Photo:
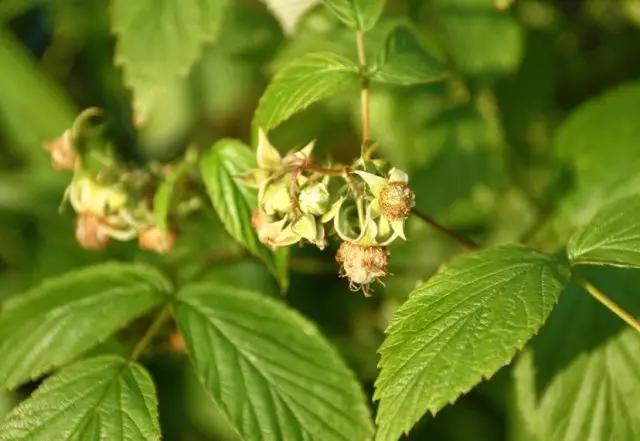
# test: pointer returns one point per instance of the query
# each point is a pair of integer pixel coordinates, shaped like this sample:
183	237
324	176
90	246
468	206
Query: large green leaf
268	368
580	378
461	326
234	202
32	107
405	61
63	317
159	40
103	398
300	84
599	143
358	14
482	40
612	237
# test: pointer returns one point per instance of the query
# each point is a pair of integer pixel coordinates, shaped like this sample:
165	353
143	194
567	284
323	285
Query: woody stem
452	234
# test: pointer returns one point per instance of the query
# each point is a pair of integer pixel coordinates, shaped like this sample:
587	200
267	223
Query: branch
455	236
151	332
607	302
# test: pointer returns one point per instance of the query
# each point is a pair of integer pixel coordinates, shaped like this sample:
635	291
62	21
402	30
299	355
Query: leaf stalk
606	301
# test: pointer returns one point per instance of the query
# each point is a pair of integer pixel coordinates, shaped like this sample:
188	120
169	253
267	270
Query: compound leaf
302	83
268	368
93	400
611	238
65	316
461	326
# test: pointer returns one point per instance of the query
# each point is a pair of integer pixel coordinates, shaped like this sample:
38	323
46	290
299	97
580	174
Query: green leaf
357	14
580	377
103	398
162	198
65	316
234	202
482	40
461	326
599	137
300	84
611	238
160	40
33	108
268	368
405	61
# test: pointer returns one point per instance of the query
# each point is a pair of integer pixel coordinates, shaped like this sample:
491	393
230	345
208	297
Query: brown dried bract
362	264
63	155
90	233
152	239
396	200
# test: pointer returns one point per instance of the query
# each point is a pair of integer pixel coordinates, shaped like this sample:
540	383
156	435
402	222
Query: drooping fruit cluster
110	200
299	201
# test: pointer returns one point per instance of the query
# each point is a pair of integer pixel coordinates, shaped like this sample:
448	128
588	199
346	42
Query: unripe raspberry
63	154
315	199
90	233
396	200
362	265
152	239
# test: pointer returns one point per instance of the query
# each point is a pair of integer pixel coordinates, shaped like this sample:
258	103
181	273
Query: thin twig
364	93
151	332
607	302
462	240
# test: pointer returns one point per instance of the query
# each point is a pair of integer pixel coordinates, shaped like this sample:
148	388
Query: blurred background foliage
534	130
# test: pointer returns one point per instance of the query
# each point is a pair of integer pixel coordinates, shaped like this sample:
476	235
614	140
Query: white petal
397	175
268	156
375	183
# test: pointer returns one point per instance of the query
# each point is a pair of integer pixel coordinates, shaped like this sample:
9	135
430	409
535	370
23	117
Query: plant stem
606	301
462	240
153	330
364	93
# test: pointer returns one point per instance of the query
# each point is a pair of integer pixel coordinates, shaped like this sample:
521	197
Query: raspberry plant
174	232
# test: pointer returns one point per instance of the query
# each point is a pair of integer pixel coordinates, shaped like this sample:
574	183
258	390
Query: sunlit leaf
268	368
104	398
300	84
580	378
459	327
65	316
357	14
612	237
234	202
159	40
405	61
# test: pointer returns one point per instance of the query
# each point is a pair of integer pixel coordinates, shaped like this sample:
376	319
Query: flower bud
152	239
63	154
315	199
90	233
396	200
362	264
276	199
87	195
